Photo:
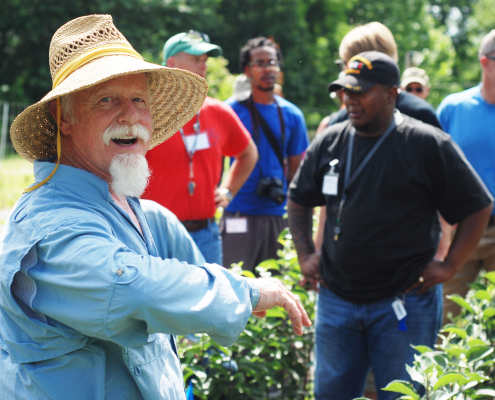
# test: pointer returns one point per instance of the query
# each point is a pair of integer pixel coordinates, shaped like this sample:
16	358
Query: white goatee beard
130	175
129	171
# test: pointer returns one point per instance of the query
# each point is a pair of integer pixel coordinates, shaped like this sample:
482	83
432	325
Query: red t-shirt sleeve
238	136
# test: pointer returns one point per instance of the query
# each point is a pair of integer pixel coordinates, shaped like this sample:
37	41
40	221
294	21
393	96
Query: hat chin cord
63	73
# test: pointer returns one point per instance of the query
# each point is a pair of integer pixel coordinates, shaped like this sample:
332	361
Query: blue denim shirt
89	306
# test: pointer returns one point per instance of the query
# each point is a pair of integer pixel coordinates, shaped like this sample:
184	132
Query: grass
15	175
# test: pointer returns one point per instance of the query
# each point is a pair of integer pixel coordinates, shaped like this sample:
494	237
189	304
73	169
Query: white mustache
126	132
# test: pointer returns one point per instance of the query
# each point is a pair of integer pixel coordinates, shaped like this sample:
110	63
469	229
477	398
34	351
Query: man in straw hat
88	306
383	176
187	171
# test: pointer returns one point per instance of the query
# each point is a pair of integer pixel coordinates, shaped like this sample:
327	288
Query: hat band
91	55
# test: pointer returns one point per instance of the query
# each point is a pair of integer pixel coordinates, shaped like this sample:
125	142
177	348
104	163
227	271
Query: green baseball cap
192	42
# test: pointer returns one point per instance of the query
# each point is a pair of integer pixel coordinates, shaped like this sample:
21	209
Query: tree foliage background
447	32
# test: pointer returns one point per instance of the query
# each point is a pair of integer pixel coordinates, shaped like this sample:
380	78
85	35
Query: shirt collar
78	179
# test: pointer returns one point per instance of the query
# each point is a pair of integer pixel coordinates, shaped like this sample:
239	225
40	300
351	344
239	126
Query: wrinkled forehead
130	84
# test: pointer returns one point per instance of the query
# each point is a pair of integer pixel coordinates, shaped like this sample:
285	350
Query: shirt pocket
156	368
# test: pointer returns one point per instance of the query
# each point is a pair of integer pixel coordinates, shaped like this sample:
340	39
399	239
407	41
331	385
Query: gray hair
68	111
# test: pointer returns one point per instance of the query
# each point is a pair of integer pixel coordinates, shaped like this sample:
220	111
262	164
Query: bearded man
88	305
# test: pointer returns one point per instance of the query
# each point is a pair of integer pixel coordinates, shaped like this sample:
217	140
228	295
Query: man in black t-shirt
384	178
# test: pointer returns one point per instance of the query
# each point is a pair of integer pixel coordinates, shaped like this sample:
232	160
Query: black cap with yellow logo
365	70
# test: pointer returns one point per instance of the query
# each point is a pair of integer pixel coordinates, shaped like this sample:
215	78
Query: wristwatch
227	193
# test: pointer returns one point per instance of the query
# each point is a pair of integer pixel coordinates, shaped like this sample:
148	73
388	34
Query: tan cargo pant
483	257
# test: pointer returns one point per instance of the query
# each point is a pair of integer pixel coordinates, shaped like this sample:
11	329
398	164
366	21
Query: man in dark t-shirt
383	177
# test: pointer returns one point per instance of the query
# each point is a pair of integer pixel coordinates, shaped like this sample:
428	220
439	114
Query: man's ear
247	71
171	62
64	124
392	93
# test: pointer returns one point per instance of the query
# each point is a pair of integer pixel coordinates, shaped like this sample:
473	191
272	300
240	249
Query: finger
295	315
259	314
314	285
413	287
305	318
427	285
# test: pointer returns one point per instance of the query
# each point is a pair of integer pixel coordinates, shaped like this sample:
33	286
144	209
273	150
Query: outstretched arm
301	224
272	294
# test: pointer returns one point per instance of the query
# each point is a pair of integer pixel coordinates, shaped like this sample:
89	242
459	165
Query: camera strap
258	120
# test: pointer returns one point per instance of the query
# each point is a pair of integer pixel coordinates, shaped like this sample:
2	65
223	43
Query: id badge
399	310
236	225
330	184
197	142
331	180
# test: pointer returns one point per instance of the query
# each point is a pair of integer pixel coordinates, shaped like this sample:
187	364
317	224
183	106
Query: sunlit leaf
461	302
485	392
450	377
422	349
490	276
482	295
402	387
458	331
478	353
489	312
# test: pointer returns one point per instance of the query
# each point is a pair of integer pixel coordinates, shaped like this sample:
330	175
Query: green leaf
415	375
476	342
490	276
442	360
482	295
485	392
248	274
478	353
450	377
458	331
489	313
422	349
461	302
276	312
402	387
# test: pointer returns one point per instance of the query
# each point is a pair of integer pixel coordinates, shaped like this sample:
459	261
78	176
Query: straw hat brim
176	96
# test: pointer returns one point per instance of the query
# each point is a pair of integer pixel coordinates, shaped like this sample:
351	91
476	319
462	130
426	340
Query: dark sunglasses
417	90
491	58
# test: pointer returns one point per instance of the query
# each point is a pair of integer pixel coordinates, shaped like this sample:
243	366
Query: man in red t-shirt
186	172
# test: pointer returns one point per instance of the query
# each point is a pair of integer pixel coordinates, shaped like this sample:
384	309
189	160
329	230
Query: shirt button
119	272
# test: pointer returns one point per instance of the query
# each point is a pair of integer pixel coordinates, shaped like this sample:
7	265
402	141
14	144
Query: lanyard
258	121
197	128
348	179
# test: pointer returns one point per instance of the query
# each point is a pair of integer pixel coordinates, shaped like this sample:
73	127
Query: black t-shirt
407	104
389	227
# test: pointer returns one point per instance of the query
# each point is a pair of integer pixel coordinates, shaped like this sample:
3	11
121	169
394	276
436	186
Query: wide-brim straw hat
176	95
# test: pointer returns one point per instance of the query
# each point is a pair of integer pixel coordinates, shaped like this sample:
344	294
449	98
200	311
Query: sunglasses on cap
195	35
416	89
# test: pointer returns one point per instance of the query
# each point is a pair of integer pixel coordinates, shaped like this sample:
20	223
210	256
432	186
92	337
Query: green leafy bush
463	364
268	360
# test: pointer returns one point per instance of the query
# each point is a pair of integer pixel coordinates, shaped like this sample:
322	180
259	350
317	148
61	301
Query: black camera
273	188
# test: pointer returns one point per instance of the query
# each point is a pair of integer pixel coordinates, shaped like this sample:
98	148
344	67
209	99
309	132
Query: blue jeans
209	243
352	338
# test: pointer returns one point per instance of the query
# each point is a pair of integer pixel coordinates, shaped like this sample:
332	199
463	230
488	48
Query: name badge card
236	225
331	180
197	142
399	310
330	184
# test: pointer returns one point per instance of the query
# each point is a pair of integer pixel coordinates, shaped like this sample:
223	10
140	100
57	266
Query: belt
197	225
491	220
